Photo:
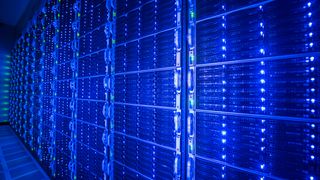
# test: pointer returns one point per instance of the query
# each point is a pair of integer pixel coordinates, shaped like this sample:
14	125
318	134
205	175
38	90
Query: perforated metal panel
252	89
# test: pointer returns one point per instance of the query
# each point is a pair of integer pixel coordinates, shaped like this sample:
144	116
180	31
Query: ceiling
12	10
14	15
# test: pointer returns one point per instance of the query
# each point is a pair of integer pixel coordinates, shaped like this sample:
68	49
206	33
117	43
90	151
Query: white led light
223	133
261	25
262	90
310	34
310	24
263	108
312	146
223	141
309	4
262	71
312	68
312	157
262	81
313	100
312	58
311	44
263	99
313	136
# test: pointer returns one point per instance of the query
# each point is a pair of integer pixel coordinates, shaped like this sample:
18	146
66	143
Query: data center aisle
15	161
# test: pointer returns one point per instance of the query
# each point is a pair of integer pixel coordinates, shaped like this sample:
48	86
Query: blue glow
113	89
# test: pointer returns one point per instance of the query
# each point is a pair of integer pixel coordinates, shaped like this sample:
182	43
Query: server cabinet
253	89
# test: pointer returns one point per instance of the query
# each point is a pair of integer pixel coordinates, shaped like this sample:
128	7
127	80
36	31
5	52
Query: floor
15	160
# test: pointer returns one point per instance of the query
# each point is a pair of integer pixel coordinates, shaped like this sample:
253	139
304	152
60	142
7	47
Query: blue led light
309	4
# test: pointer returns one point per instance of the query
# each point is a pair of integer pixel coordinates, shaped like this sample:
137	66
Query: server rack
252	85
147	90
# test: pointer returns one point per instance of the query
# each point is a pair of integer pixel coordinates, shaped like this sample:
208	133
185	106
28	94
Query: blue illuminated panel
147	90
91	98
253	89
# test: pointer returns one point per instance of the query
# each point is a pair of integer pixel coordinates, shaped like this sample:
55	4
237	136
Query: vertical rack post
74	91
191	81
54	71
108	109
24	104
312	89
177	83
33	77
41	87
262	89
26	116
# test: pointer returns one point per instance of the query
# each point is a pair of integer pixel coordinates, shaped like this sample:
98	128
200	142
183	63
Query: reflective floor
15	161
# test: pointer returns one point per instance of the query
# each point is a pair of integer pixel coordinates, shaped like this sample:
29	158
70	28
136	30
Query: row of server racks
170	89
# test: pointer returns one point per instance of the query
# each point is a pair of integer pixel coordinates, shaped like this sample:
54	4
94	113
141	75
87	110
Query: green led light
114	14
192	14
